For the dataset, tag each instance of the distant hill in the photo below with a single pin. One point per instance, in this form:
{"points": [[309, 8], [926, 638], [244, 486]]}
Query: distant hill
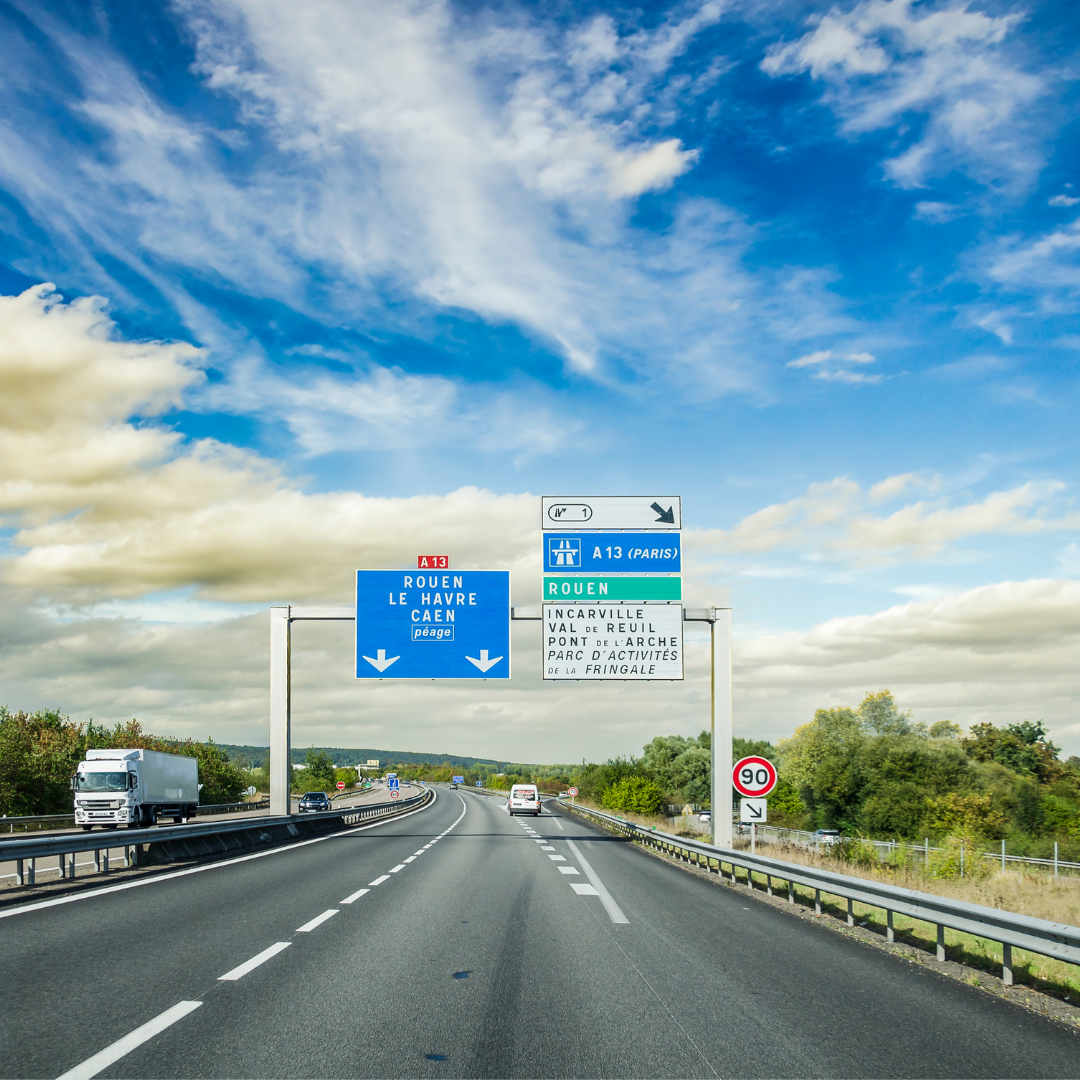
{"points": [[259, 755]]}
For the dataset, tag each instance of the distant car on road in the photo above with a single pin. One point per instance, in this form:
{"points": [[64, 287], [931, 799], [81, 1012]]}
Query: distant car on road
{"points": [[314, 801], [453, 787], [824, 836], [705, 815]]}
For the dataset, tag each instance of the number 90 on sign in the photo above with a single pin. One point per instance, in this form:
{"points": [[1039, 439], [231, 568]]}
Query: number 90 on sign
{"points": [[753, 777]]}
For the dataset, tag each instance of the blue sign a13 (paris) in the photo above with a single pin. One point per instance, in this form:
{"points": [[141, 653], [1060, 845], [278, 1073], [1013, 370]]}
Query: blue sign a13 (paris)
{"points": [[445, 624], [612, 552]]}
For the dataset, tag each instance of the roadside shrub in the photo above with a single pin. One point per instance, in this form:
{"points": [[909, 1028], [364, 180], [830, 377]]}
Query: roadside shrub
{"points": [[960, 856], [634, 793], [856, 850]]}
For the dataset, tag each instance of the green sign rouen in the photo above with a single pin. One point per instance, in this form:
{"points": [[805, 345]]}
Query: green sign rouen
{"points": [[612, 588]]}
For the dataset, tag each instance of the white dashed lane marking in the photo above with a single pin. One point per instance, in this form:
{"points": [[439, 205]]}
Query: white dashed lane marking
{"points": [[355, 896], [254, 962], [583, 890], [569, 870], [395, 869], [122, 1047], [379, 880], [557, 858], [317, 921]]}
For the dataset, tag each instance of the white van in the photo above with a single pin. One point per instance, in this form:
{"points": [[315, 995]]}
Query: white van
{"points": [[524, 799]]}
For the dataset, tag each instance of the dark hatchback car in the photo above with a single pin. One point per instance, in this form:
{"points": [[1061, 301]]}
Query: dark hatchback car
{"points": [[313, 802]]}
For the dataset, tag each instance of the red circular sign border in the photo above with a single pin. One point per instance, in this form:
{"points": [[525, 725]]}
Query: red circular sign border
{"points": [[757, 761]]}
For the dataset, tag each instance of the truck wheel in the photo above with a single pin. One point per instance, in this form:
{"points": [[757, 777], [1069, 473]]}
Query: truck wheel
{"points": [[151, 816], [86, 828]]}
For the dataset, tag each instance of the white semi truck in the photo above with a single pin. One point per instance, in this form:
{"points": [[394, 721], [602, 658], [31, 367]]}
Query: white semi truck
{"points": [[134, 788]]}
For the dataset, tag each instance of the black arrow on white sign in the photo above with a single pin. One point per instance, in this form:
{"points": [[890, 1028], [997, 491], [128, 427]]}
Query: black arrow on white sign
{"points": [[666, 516], [754, 811]]}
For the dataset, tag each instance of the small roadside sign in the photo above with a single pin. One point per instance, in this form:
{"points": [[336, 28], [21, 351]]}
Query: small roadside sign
{"points": [[753, 811], [660, 512], [393, 783], [753, 777], [571, 792], [479, 783], [395, 794], [341, 785]]}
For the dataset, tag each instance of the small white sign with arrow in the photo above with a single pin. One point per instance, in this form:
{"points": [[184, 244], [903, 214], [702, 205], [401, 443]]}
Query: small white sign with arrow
{"points": [[382, 663], [753, 811], [484, 664]]}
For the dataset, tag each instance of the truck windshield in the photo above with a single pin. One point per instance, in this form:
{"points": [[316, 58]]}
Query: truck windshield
{"points": [[101, 781]]}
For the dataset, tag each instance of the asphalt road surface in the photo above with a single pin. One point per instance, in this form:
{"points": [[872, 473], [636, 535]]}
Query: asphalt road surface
{"points": [[460, 942]]}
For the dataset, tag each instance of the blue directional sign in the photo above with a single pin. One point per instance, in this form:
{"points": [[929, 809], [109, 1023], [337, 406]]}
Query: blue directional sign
{"points": [[459, 780], [393, 783], [479, 783], [612, 552], [433, 625]]}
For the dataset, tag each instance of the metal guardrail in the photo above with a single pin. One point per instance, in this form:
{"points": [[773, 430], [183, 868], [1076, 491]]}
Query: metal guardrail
{"points": [[64, 848], [1057, 940], [54, 820], [886, 848]]}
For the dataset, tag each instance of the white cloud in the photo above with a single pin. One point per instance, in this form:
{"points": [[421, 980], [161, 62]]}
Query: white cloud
{"points": [[400, 164], [941, 71], [1047, 263], [653, 168], [1002, 652], [837, 374], [1062, 200], [937, 212], [830, 522], [111, 508]]}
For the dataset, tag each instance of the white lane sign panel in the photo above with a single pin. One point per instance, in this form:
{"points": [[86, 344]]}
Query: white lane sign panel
{"points": [[753, 811], [450, 624], [632, 642], [562, 512], [753, 777]]}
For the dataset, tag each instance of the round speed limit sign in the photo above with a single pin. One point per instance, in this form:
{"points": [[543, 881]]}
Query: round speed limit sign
{"points": [[753, 777], [571, 791]]}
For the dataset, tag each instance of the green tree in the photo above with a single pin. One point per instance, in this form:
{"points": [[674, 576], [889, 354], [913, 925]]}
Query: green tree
{"points": [[634, 793], [319, 771]]}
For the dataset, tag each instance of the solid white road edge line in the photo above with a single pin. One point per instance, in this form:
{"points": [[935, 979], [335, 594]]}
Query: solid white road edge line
{"points": [[613, 909], [201, 869], [355, 896], [254, 962], [102, 1060], [317, 921]]}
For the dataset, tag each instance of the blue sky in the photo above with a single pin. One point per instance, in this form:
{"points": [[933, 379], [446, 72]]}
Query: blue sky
{"points": [[813, 266]]}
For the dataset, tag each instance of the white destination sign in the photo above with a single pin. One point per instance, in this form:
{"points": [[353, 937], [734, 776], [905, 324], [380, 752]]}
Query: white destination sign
{"points": [[562, 512], [613, 641]]}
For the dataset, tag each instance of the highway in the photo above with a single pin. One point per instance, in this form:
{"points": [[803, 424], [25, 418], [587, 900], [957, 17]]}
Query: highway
{"points": [[460, 942]]}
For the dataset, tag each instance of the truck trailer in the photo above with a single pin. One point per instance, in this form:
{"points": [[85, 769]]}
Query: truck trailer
{"points": [[134, 788]]}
